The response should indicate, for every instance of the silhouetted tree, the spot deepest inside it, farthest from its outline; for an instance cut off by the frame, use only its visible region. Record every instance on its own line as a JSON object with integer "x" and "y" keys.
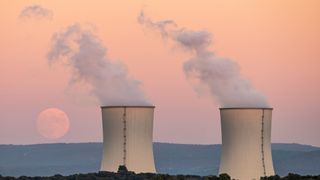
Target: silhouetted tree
{"x": 224, "y": 176}
{"x": 292, "y": 176}
{"x": 275, "y": 177}
{"x": 122, "y": 169}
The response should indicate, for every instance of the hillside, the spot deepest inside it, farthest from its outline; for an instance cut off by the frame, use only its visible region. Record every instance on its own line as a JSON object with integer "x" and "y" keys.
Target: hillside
{"x": 65, "y": 159}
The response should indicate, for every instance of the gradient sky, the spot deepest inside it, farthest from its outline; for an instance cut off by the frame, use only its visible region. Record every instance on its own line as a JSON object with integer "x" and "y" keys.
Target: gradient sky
{"x": 276, "y": 43}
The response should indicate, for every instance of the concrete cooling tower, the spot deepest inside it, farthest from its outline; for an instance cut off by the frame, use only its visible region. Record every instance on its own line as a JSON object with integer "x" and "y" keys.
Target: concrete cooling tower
{"x": 127, "y": 138}
{"x": 246, "y": 143}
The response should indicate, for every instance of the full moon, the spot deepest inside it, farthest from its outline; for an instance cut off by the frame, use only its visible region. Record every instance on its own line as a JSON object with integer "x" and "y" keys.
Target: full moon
{"x": 53, "y": 123}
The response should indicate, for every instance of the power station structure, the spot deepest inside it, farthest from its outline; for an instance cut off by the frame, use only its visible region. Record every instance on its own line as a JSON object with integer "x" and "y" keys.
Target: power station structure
{"x": 246, "y": 143}
{"x": 127, "y": 138}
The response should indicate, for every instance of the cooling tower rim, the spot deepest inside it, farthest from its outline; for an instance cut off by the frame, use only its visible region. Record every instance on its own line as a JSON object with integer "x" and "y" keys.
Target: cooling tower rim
{"x": 103, "y": 107}
{"x": 244, "y": 108}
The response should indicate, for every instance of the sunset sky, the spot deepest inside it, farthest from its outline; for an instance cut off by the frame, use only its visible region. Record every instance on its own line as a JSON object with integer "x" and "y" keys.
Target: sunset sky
{"x": 276, "y": 44}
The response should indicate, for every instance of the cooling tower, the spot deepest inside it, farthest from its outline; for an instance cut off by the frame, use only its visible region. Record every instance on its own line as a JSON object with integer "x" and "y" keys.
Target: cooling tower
{"x": 246, "y": 143}
{"x": 127, "y": 138}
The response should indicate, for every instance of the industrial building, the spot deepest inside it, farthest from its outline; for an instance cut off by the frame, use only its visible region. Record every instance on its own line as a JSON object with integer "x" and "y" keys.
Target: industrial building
{"x": 127, "y": 138}
{"x": 246, "y": 143}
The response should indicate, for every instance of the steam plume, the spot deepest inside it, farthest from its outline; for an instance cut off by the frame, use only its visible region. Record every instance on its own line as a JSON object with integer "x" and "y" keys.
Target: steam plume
{"x": 36, "y": 11}
{"x": 219, "y": 76}
{"x": 106, "y": 80}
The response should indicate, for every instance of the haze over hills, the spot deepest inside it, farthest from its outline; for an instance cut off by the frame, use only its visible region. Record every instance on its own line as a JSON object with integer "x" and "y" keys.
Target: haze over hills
{"x": 65, "y": 159}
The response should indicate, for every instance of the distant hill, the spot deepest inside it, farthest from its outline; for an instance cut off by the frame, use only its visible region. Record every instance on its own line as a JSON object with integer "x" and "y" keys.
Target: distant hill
{"x": 294, "y": 147}
{"x": 66, "y": 159}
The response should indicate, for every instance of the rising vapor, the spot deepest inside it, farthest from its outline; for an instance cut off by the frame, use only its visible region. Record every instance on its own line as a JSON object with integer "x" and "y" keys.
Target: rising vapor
{"x": 36, "y": 11}
{"x": 107, "y": 81}
{"x": 219, "y": 76}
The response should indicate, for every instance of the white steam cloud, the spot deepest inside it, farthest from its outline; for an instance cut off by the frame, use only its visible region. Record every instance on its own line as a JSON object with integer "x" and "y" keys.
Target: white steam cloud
{"x": 106, "y": 80}
{"x": 219, "y": 76}
{"x": 36, "y": 11}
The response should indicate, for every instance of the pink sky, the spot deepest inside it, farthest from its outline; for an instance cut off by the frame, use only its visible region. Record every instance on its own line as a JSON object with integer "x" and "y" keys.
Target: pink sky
{"x": 276, "y": 43}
